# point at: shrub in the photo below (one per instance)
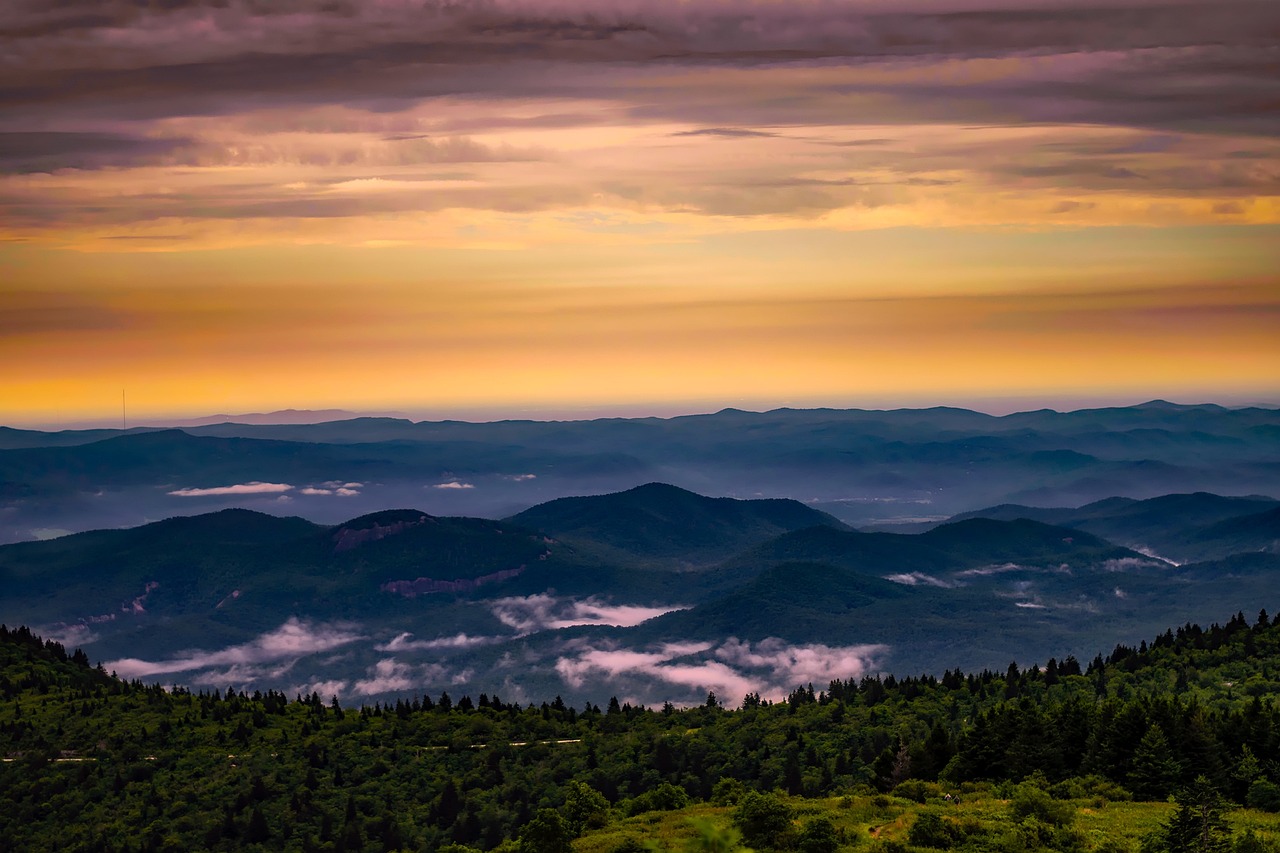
(1264, 795)
(763, 819)
(912, 789)
(930, 830)
(1031, 801)
(727, 792)
(818, 836)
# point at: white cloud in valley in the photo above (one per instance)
(293, 640)
(730, 669)
(404, 642)
(918, 579)
(528, 614)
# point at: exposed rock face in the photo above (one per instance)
(347, 538)
(424, 586)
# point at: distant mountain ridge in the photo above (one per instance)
(1181, 527)
(861, 466)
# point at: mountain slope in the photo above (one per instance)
(1183, 527)
(662, 523)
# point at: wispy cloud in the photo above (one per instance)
(453, 484)
(388, 676)
(252, 488)
(333, 487)
(732, 669)
(325, 689)
(294, 639)
(405, 643)
(547, 612)
(986, 571)
(920, 578)
(1129, 564)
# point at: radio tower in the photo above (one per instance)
(124, 420)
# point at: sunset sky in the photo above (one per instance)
(499, 208)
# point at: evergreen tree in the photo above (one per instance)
(1198, 825)
(1154, 771)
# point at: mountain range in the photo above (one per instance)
(654, 593)
(863, 467)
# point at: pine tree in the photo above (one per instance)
(1154, 771)
(1198, 825)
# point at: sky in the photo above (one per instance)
(503, 207)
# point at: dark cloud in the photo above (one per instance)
(1179, 64)
(45, 151)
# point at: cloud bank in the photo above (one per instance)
(293, 640)
(731, 669)
(542, 612)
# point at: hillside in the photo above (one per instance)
(1181, 527)
(93, 763)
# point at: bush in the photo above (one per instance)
(1264, 795)
(912, 789)
(1097, 788)
(930, 830)
(664, 798)
(763, 819)
(1031, 801)
(727, 792)
(818, 836)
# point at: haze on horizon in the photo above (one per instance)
(635, 207)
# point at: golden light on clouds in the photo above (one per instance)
(697, 204)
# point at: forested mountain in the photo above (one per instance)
(94, 763)
(656, 593)
(661, 523)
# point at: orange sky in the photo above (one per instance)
(717, 203)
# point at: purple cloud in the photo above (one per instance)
(732, 669)
(253, 488)
(293, 640)
(543, 612)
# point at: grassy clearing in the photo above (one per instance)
(879, 822)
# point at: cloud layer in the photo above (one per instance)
(542, 612)
(731, 669)
(534, 204)
(293, 640)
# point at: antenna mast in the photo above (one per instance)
(124, 419)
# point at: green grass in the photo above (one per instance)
(872, 821)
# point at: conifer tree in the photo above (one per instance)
(1154, 771)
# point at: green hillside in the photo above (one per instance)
(1062, 757)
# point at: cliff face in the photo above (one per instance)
(347, 538)
(424, 586)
